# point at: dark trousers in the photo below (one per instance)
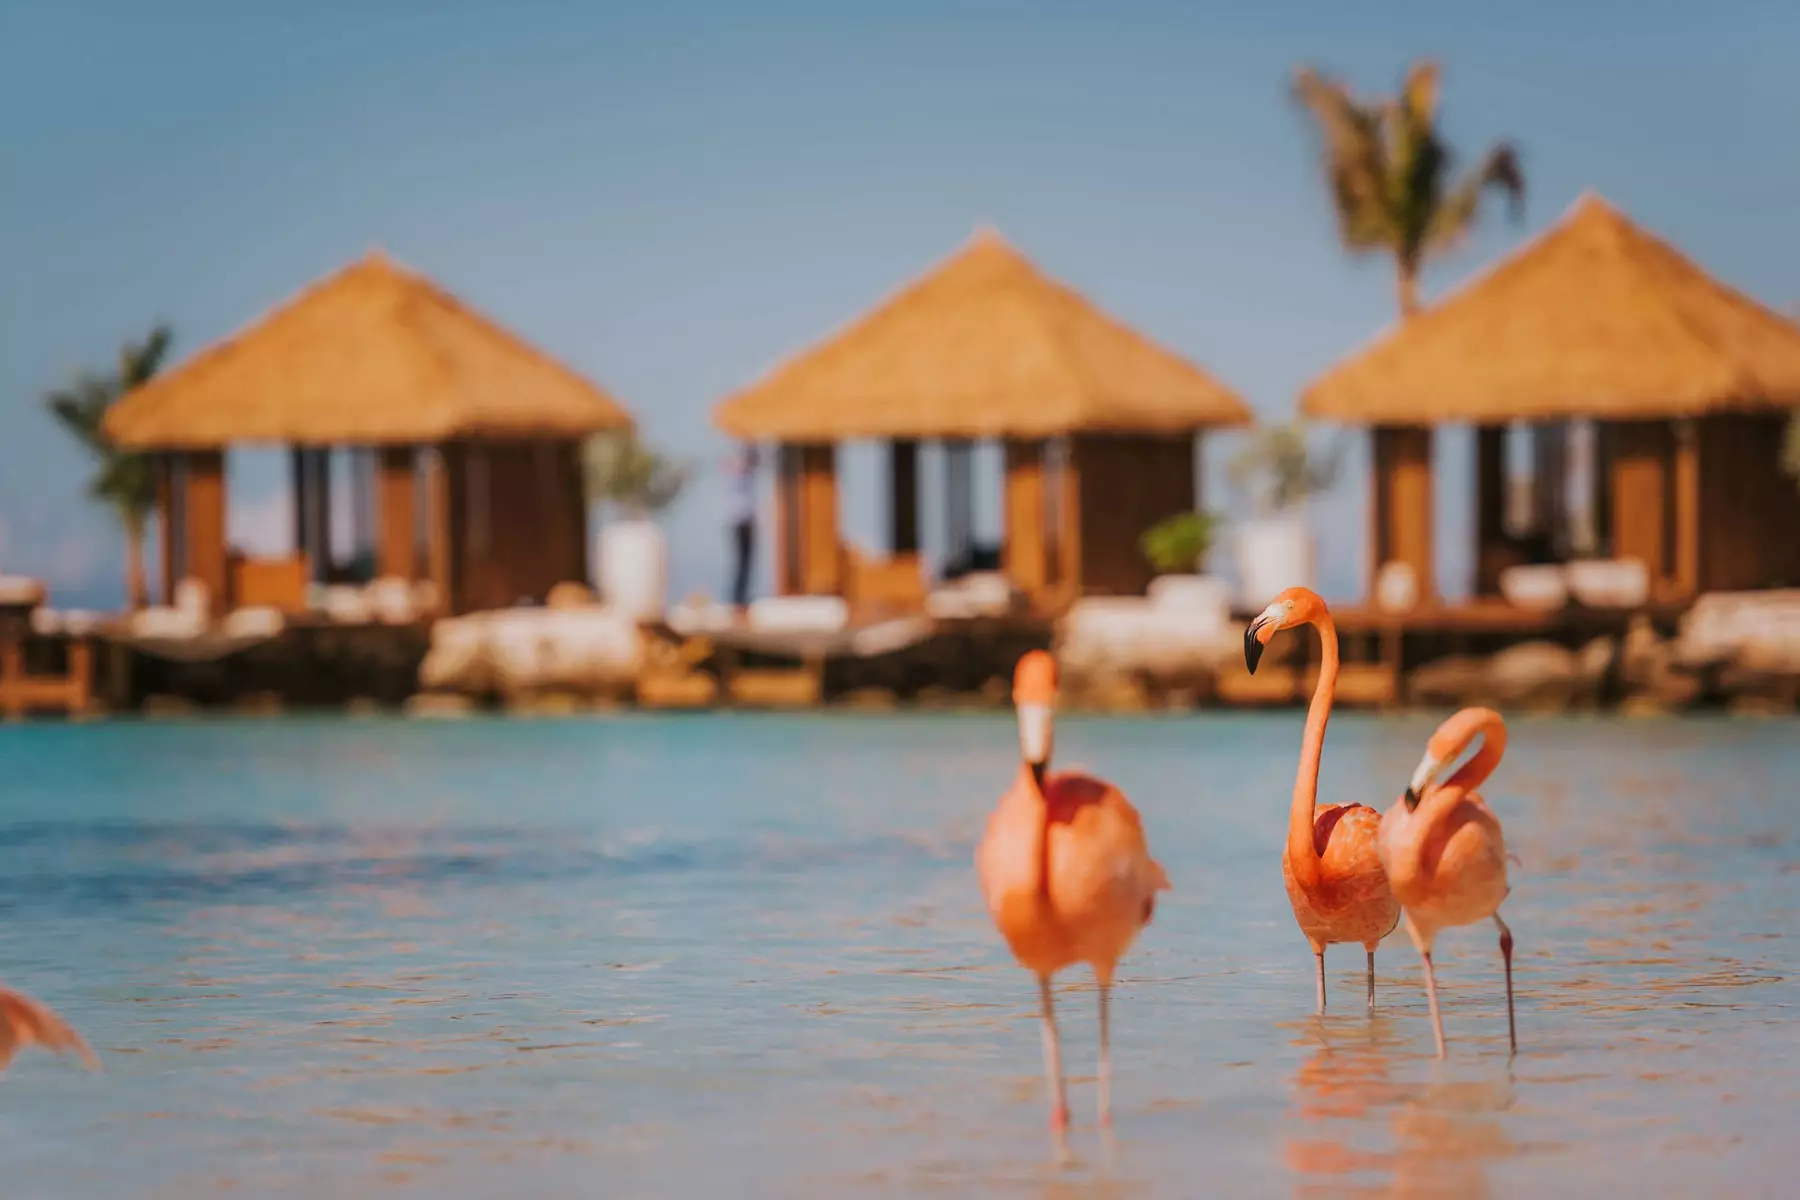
(743, 536)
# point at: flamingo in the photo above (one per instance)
(25, 1022)
(1066, 873)
(1330, 863)
(1444, 851)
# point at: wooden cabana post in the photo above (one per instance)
(397, 550)
(381, 363)
(903, 496)
(1685, 381)
(1097, 427)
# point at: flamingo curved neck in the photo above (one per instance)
(1481, 764)
(1303, 856)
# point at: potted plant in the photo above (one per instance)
(1176, 548)
(1275, 547)
(638, 484)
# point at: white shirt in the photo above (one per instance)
(742, 499)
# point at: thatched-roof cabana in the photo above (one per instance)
(1596, 320)
(986, 346)
(379, 361)
(372, 355)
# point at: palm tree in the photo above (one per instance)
(126, 482)
(1390, 173)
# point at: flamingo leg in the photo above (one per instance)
(1371, 981)
(1437, 1022)
(1506, 948)
(1319, 959)
(1105, 1080)
(1059, 1101)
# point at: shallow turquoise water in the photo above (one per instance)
(745, 956)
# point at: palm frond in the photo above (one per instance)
(1424, 83)
(1457, 213)
(1352, 158)
(139, 363)
(125, 481)
(1389, 168)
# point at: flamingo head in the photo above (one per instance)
(1450, 740)
(1034, 696)
(1295, 606)
(1422, 775)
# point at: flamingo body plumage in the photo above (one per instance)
(1445, 852)
(1066, 873)
(1330, 862)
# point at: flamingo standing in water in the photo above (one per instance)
(1444, 852)
(1330, 863)
(1066, 873)
(25, 1022)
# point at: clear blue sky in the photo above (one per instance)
(673, 196)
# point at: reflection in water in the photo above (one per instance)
(1442, 1133)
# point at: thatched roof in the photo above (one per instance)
(1596, 318)
(984, 345)
(372, 354)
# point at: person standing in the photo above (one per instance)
(741, 471)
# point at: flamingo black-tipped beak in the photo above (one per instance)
(1253, 647)
(1421, 779)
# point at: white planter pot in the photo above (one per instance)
(633, 567)
(1273, 554)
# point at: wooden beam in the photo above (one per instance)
(1687, 509)
(787, 520)
(1550, 482)
(318, 521)
(1068, 521)
(204, 502)
(1641, 494)
(903, 495)
(168, 525)
(445, 488)
(820, 552)
(1024, 551)
(575, 502)
(395, 553)
(297, 483)
(1402, 496)
(1490, 506)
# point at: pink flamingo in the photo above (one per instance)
(1330, 863)
(26, 1022)
(1444, 851)
(1066, 873)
